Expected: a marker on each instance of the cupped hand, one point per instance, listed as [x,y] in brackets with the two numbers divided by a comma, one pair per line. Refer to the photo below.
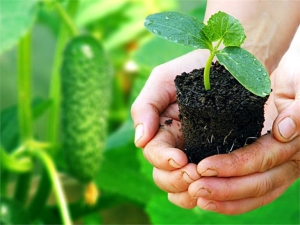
[230,184]
[259,173]
[162,142]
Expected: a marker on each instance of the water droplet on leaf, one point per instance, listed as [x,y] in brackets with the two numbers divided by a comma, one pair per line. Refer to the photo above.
[155,31]
[148,22]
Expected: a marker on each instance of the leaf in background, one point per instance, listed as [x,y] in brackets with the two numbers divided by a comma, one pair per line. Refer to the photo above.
[179,28]
[284,210]
[246,69]
[122,136]
[119,174]
[9,122]
[157,51]
[161,211]
[16,18]
[226,27]
[13,212]
[91,10]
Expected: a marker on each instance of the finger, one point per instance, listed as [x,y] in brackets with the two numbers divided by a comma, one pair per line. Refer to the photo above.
[287,97]
[156,95]
[265,153]
[182,199]
[161,151]
[158,92]
[242,205]
[254,185]
[270,111]
[177,180]
[287,125]
[172,126]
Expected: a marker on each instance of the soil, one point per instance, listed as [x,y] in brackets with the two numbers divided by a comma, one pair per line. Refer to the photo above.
[220,120]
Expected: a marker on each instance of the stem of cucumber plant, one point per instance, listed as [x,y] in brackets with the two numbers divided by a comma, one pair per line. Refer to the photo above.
[44,188]
[24,88]
[24,109]
[53,120]
[53,175]
[65,17]
[208,65]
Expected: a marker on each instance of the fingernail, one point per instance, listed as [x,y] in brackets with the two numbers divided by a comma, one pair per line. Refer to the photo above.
[209,173]
[174,164]
[202,192]
[187,178]
[287,127]
[139,131]
[211,206]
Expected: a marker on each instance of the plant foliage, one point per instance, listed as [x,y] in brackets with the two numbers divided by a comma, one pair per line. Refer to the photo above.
[221,28]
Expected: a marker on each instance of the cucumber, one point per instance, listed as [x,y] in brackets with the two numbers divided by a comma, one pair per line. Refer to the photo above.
[86,89]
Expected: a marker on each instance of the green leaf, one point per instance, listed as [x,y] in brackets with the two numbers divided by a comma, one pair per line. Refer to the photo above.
[144,55]
[9,122]
[226,27]
[120,174]
[179,28]
[91,10]
[161,211]
[246,69]
[12,212]
[16,17]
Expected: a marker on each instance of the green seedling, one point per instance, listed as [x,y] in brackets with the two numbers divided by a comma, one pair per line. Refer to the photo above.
[221,28]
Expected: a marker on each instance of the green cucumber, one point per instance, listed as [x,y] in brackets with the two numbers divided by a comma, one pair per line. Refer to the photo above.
[86,89]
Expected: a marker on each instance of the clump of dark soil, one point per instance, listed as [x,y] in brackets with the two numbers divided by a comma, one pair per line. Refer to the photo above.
[220,120]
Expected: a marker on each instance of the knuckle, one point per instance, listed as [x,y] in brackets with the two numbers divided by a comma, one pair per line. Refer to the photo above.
[263,187]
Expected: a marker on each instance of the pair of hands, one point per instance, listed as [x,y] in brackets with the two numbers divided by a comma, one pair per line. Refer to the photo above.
[234,183]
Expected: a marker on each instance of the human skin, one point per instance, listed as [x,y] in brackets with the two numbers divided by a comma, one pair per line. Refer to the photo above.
[255,174]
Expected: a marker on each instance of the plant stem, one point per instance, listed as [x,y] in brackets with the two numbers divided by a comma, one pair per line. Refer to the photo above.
[207,71]
[53,120]
[24,109]
[58,191]
[44,187]
[208,65]
[24,88]
[65,17]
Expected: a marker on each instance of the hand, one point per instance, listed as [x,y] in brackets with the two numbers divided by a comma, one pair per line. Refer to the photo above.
[259,173]
[249,177]
[155,104]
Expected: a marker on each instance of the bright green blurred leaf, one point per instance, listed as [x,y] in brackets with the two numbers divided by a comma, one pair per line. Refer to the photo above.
[284,210]
[16,18]
[91,10]
[120,174]
[9,122]
[246,69]
[157,51]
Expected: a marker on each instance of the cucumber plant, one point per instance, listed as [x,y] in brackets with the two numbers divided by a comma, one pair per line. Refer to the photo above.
[221,28]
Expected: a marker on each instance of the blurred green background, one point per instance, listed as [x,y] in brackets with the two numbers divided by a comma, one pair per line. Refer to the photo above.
[128,194]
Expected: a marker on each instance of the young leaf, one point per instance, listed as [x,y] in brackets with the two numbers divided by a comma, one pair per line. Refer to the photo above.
[223,26]
[179,28]
[246,69]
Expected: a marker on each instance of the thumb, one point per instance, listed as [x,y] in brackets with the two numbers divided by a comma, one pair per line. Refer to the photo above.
[287,125]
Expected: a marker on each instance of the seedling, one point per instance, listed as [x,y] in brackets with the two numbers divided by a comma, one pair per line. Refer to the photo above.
[221,28]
